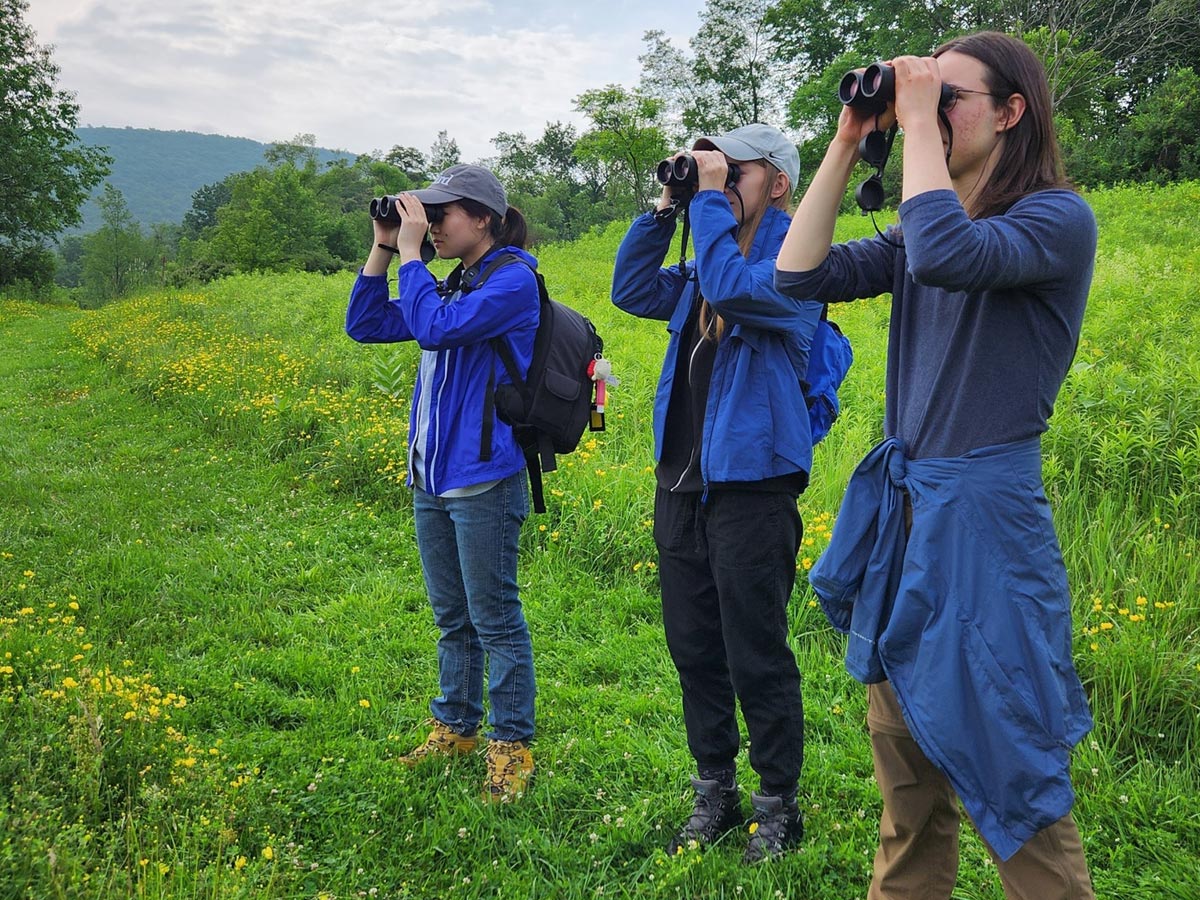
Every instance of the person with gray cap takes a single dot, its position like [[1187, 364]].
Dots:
[[734, 448], [465, 467]]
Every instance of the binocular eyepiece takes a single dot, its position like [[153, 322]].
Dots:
[[387, 209], [682, 175], [873, 88]]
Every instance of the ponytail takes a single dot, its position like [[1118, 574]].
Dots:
[[510, 231]]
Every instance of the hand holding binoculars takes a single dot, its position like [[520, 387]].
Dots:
[[873, 88], [683, 177]]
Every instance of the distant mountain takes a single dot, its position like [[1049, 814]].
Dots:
[[158, 171]]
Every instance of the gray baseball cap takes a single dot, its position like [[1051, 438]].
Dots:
[[464, 182], [757, 141]]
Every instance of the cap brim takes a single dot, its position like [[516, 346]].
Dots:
[[731, 147], [435, 196]]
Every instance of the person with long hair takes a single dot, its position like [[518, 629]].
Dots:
[[944, 568], [734, 448], [465, 468]]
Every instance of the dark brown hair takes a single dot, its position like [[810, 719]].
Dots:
[[511, 231], [1029, 159]]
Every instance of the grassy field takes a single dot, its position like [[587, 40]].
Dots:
[[215, 640]]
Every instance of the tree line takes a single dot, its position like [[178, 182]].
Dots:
[[1124, 79]]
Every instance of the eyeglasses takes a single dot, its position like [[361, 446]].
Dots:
[[952, 97]]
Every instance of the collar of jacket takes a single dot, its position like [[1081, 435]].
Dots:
[[771, 232]]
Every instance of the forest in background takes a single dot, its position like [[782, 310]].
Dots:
[[1123, 78], [158, 172]]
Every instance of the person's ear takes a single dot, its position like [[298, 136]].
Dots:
[[1009, 112], [780, 187]]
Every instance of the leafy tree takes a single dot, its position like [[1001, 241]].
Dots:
[[625, 143], [733, 55], [1163, 138], [299, 152], [810, 34], [116, 259], [410, 161], [1102, 58], [282, 218], [555, 190], [45, 173], [69, 270], [733, 75], [205, 203], [444, 153], [271, 223], [667, 77], [1140, 40]]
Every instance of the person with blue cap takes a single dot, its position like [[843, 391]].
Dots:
[[733, 448]]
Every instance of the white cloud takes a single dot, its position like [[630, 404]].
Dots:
[[359, 75]]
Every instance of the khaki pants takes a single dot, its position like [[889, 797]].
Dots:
[[917, 857]]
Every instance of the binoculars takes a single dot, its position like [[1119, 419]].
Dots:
[[387, 209], [873, 88], [680, 173]]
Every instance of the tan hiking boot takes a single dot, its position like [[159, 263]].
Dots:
[[510, 768], [442, 742]]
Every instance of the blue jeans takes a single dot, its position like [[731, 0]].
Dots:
[[468, 549]]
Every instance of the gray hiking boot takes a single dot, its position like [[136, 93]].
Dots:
[[717, 810], [775, 827]]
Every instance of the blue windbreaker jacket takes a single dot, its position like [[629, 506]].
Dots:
[[970, 621], [756, 421], [454, 334]]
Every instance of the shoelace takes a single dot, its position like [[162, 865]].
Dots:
[[505, 764], [704, 811], [771, 828]]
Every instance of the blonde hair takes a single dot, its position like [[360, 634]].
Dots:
[[746, 235]]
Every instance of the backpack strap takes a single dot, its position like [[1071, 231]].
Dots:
[[454, 282], [537, 448], [499, 344], [539, 457]]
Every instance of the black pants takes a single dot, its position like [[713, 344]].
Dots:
[[727, 568]]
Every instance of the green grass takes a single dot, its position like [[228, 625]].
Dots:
[[214, 639]]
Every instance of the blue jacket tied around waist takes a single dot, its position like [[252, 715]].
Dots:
[[969, 619]]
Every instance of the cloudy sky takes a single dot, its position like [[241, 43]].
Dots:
[[360, 75]]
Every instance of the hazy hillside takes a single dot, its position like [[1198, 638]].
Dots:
[[158, 171]]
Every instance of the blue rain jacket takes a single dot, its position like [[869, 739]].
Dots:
[[457, 361], [756, 422], [970, 621]]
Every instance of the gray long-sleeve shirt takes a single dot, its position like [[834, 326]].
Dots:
[[986, 314]]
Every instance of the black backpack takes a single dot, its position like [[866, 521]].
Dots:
[[550, 408]]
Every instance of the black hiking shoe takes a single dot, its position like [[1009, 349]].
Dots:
[[717, 810], [775, 827]]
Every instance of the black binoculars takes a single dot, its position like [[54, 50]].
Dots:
[[387, 209], [680, 173], [873, 88]]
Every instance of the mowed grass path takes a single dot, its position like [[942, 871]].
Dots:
[[215, 642]]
